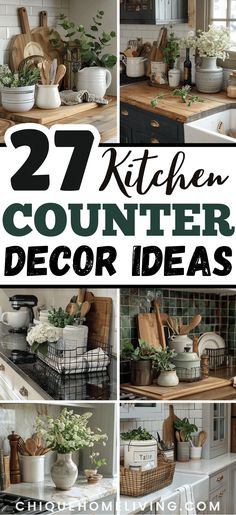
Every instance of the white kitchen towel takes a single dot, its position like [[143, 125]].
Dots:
[[187, 501]]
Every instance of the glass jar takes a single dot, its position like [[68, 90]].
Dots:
[[231, 87]]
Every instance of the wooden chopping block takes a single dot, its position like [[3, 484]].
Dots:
[[147, 329], [25, 44], [162, 44], [44, 33], [168, 425], [151, 58]]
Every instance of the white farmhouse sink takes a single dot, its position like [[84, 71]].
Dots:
[[200, 485], [205, 130]]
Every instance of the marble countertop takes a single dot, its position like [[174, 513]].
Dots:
[[81, 494], [208, 467]]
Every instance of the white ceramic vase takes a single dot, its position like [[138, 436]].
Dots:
[[168, 378], [18, 100], [95, 80], [48, 97], [209, 76], [64, 472]]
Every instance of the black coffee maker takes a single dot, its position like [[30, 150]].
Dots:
[[24, 301]]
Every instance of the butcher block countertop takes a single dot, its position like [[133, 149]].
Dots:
[[141, 94], [104, 117]]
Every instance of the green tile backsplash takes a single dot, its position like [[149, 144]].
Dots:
[[218, 312]]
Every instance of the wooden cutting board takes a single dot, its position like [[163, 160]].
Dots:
[[44, 33], [147, 329], [164, 393], [98, 321], [26, 44], [44, 116], [168, 425]]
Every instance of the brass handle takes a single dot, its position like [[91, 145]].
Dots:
[[220, 478], [154, 140], [124, 112], [154, 123], [24, 392], [2, 368], [221, 494]]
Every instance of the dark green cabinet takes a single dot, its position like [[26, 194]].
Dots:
[[145, 127]]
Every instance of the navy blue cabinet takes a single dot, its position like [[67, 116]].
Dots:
[[140, 126]]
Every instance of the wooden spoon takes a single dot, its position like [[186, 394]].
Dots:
[[46, 70], [72, 308], [85, 309], [177, 436], [61, 71], [182, 436], [193, 323], [201, 438], [31, 446], [42, 76]]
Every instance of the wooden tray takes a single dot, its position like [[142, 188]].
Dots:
[[163, 393], [44, 116]]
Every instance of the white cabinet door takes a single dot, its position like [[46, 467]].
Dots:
[[14, 386], [216, 417], [232, 489]]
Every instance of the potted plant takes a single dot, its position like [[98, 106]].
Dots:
[[163, 362], [210, 45], [18, 89], [73, 332], [92, 474], [141, 363], [89, 49], [140, 447], [66, 434], [86, 49], [172, 51], [40, 336], [184, 430]]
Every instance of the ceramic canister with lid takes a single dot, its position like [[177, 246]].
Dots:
[[187, 365], [140, 452], [180, 341]]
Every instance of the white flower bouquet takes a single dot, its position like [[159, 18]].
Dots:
[[39, 337], [213, 43], [189, 41], [69, 432]]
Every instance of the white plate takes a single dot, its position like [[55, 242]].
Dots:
[[210, 341]]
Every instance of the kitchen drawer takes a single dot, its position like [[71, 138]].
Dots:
[[13, 384], [149, 128], [218, 479], [220, 496]]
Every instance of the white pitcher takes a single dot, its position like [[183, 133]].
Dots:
[[94, 79]]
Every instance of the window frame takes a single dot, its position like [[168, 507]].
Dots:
[[203, 18]]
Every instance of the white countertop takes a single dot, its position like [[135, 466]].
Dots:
[[132, 505], [207, 466], [81, 493]]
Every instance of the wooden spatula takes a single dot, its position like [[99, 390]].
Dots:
[[61, 71], [201, 438], [85, 309], [160, 328], [31, 446]]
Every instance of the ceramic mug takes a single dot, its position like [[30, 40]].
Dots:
[[15, 319], [48, 96]]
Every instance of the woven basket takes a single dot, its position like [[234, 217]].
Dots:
[[137, 483]]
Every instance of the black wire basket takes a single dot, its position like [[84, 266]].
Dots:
[[189, 375], [217, 357], [74, 359]]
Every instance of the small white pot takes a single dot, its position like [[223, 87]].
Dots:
[[18, 100], [174, 78], [168, 378], [135, 66], [32, 469], [48, 97], [195, 453]]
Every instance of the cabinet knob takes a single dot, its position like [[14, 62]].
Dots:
[[23, 391], [124, 112], [219, 478], [154, 140], [154, 123], [2, 368]]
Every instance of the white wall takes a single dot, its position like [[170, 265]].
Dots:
[[9, 20], [82, 12], [153, 424]]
